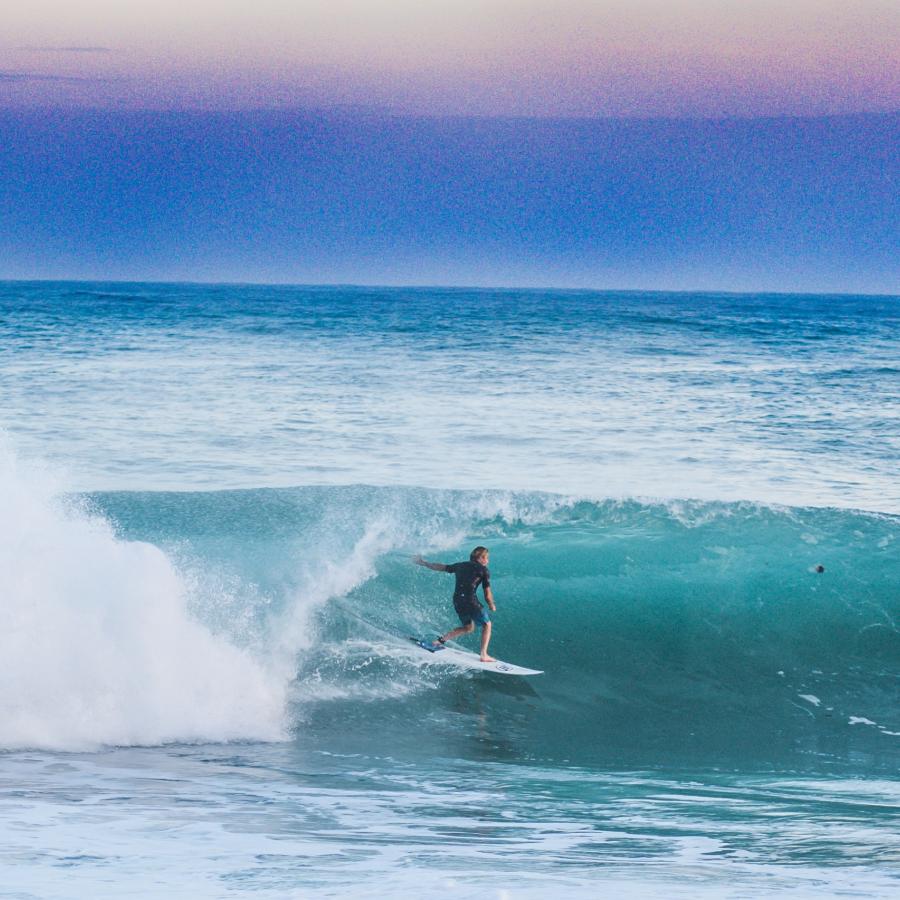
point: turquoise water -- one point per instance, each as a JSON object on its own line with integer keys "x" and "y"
{"x": 211, "y": 497}
{"x": 784, "y": 399}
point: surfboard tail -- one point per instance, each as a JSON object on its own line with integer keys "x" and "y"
{"x": 466, "y": 660}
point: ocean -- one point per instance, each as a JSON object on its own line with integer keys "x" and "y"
{"x": 210, "y": 498}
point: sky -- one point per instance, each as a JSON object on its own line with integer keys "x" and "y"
{"x": 685, "y": 144}
{"x": 458, "y": 57}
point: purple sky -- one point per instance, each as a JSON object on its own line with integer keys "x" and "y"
{"x": 458, "y": 57}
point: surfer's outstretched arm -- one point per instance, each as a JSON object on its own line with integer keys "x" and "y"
{"x": 437, "y": 567}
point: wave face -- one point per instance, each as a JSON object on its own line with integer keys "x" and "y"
{"x": 701, "y": 628}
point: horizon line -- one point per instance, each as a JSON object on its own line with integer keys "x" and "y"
{"x": 447, "y": 287}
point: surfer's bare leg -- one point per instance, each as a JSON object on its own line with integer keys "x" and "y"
{"x": 485, "y": 640}
{"x": 463, "y": 629}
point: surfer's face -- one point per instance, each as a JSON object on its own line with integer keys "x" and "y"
{"x": 483, "y": 558}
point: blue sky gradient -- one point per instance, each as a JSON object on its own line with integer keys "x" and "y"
{"x": 794, "y": 204}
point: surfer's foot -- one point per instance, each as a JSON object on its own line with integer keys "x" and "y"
{"x": 485, "y": 658}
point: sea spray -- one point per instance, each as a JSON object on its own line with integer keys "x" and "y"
{"x": 97, "y": 643}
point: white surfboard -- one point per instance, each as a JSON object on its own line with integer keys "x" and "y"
{"x": 467, "y": 660}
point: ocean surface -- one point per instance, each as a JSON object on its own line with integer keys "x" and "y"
{"x": 209, "y": 501}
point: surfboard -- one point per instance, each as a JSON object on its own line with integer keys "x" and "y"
{"x": 467, "y": 660}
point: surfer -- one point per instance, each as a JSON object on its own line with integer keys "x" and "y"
{"x": 469, "y": 575}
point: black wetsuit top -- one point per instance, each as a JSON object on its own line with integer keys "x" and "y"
{"x": 468, "y": 576}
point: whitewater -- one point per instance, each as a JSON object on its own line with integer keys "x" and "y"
{"x": 209, "y": 501}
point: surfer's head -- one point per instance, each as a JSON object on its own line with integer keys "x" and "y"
{"x": 480, "y": 555}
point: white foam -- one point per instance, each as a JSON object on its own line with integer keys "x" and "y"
{"x": 325, "y": 578}
{"x": 97, "y": 643}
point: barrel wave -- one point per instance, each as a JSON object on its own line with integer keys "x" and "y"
{"x": 705, "y": 630}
